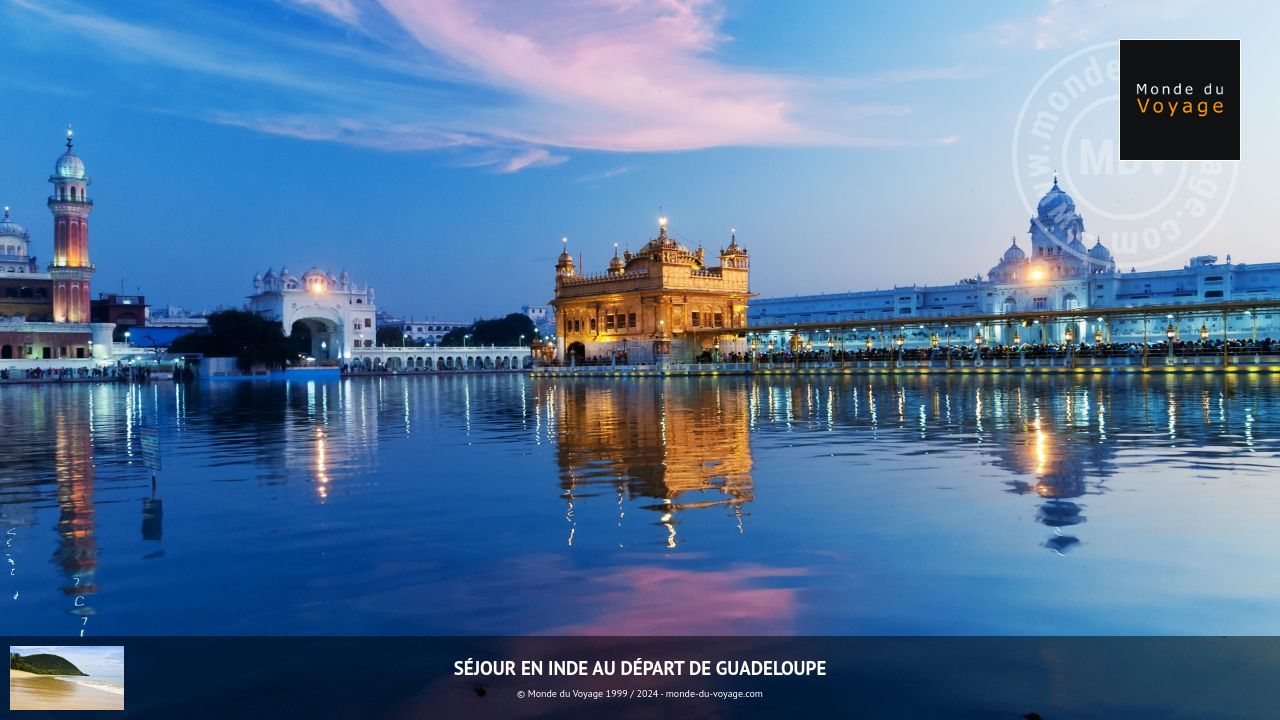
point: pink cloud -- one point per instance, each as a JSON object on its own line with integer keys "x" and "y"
{"x": 612, "y": 74}
{"x": 533, "y": 157}
{"x": 506, "y": 86}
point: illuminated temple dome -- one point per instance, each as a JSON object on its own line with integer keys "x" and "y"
{"x": 1014, "y": 253}
{"x": 1058, "y": 248}
{"x": 10, "y": 230}
{"x": 664, "y": 248}
{"x": 15, "y": 247}
{"x": 69, "y": 165}
{"x": 1056, "y": 203}
{"x": 1099, "y": 252}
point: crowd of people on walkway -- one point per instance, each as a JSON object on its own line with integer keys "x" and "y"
{"x": 118, "y": 372}
{"x": 1039, "y": 351}
{"x": 962, "y": 353}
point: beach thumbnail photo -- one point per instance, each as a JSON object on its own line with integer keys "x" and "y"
{"x": 66, "y": 677}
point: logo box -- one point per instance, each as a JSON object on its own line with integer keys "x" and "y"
{"x": 1180, "y": 99}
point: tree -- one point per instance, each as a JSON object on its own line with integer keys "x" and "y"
{"x": 389, "y": 335}
{"x": 498, "y": 331}
{"x": 248, "y": 337}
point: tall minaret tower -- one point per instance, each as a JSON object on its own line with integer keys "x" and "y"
{"x": 70, "y": 269}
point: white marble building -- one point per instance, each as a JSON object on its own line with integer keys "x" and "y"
{"x": 1060, "y": 271}
{"x": 339, "y": 315}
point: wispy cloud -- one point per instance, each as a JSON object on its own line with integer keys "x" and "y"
{"x": 343, "y": 10}
{"x": 1065, "y": 22}
{"x": 610, "y": 173}
{"x": 519, "y": 85}
{"x": 533, "y": 157}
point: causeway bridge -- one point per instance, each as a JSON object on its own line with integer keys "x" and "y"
{"x": 439, "y": 359}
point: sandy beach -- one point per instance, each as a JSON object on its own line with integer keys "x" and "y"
{"x": 28, "y": 691}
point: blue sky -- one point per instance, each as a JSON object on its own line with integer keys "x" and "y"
{"x": 439, "y": 150}
{"x": 91, "y": 659}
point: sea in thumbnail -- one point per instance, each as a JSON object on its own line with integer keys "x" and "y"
{"x": 505, "y": 504}
{"x": 66, "y": 677}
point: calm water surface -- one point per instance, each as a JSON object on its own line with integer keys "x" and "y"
{"x": 509, "y": 505}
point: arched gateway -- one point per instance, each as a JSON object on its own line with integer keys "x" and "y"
{"x": 329, "y": 316}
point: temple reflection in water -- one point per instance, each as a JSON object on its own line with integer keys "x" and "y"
{"x": 77, "y": 552}
{"x": 438, "y": 479}
{"x": 688, "y": 443}
{"x": 685, "y": 444}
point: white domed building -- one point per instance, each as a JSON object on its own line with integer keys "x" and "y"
{"x": 1062, "y": 269}
{"x": 15, "y": 248}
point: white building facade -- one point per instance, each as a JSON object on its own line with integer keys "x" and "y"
{"x": 1060, "y": 271}
{"x": 339, "y": 316}
{"x": 428, "y": 331}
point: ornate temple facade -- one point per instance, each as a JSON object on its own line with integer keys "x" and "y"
{"x": 662, "y": 301}
{"x": 685, "y": 451}
{"x": 1059, "y": 271}
{"x": 45, "y": 316}
{"x": 339, "y": 316}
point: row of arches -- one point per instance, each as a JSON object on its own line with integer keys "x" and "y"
{"x": 423, "y": 363}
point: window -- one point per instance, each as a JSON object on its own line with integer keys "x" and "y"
{"x": 693, "y": 318}
{"x": 368, "y": 322}
{"x": 1213, "y": 293}
{"x": 1039, "y": 303}
{"x": 608, "y": 321}
{"x": 591, "y": 324}
{"x": 631, "y": 319}
{"x": 1213, "y": 279}
{"x": 719, "y": 320}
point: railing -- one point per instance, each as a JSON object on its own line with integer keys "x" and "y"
{"x": 1067, "y": 362}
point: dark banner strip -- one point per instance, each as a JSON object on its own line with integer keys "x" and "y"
{"x": 557, "y": 677}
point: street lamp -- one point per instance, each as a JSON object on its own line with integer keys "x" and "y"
{"x": 1171, "y": 332}
{"x": 1204, "y": 337}
{"x": 465, "y": 338}
{"x": 977, "y": 355}
{"x": 1069, "y": 336}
